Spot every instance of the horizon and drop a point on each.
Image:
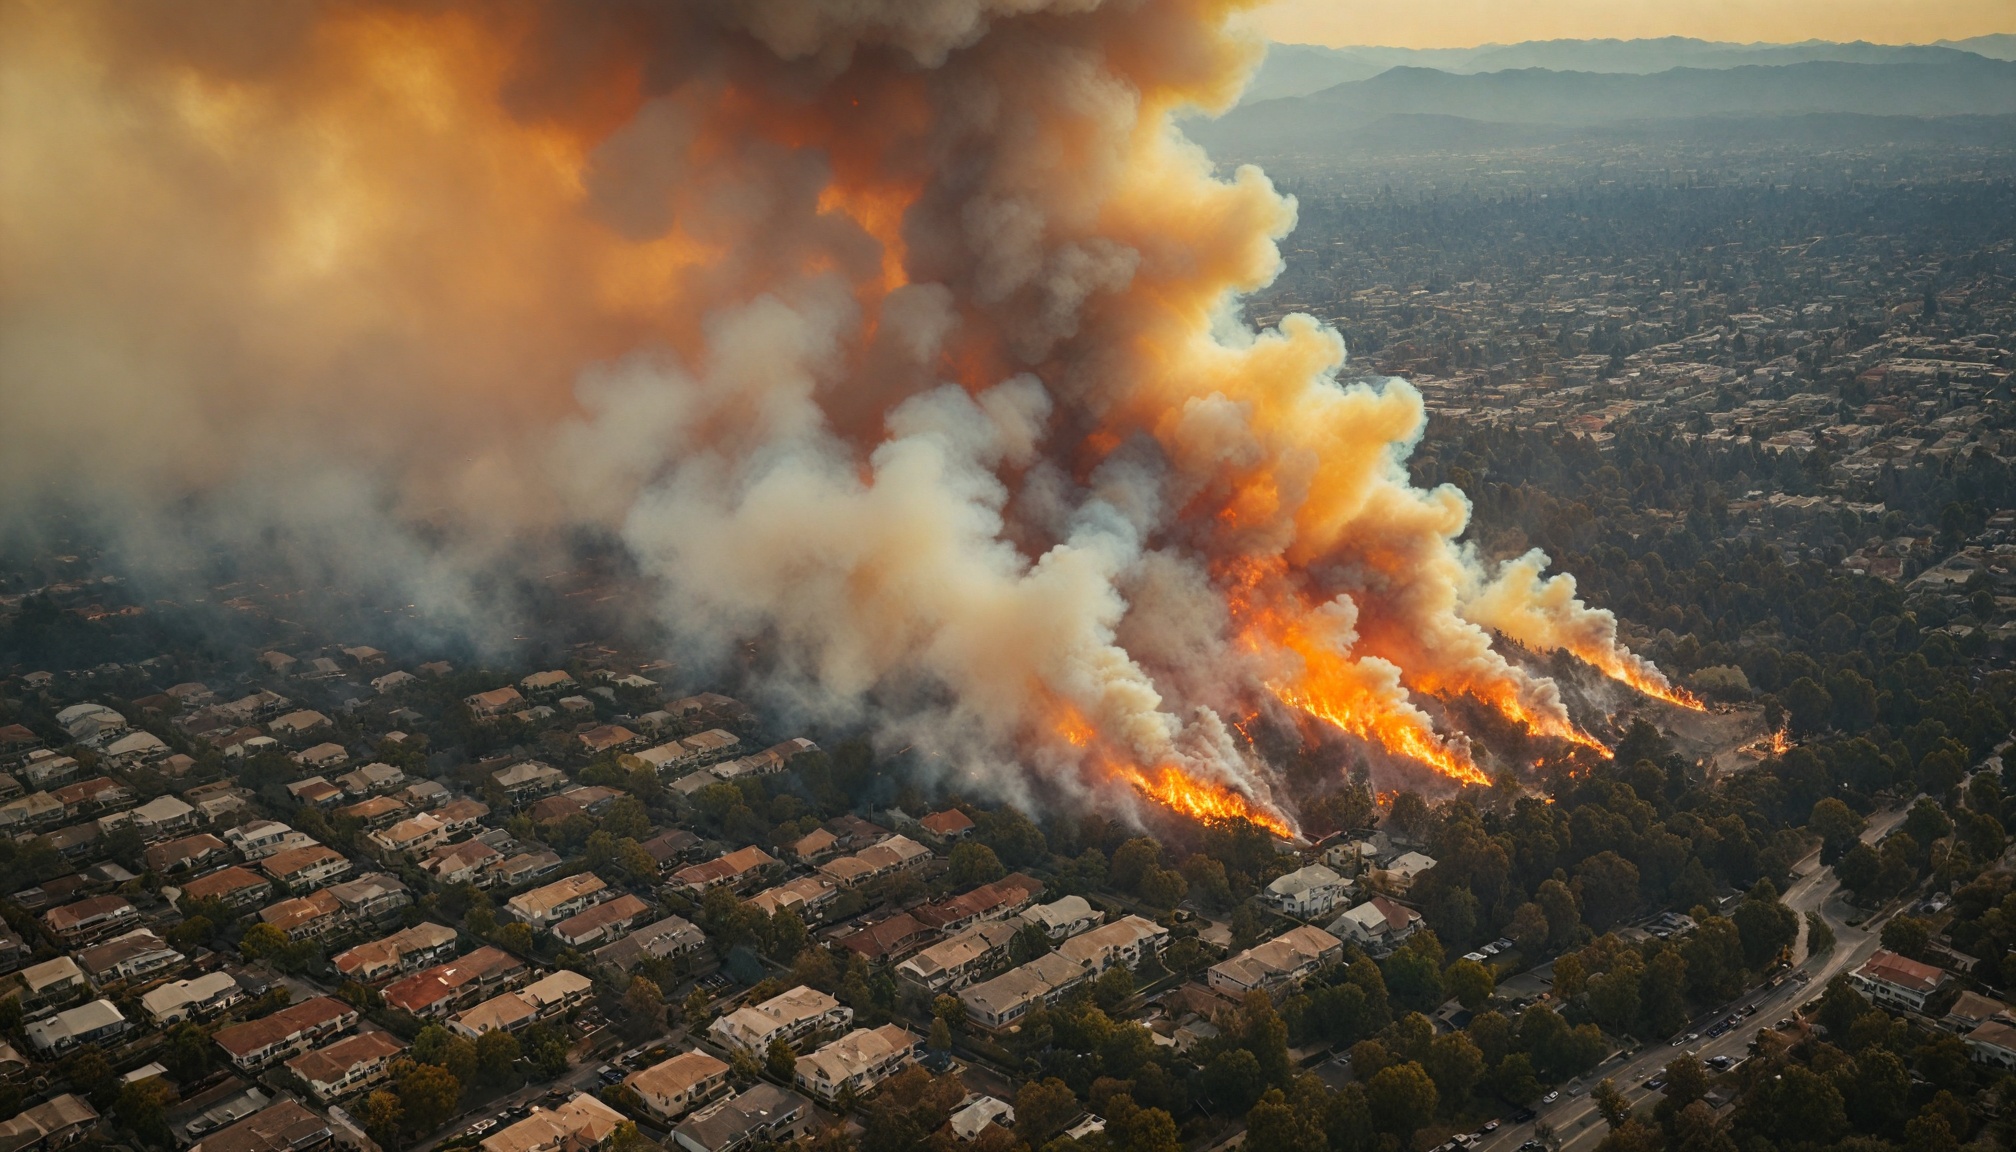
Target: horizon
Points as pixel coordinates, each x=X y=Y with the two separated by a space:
x=1478 y=47
x=1429 y=24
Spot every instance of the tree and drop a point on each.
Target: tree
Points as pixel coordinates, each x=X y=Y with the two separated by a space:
x=1276 y=1125
x=1881 y=1095
x=1470 y=982
x=1402 y=1099
x=384 y=1117
x=940 y=1039
x=1764 y=925
x=496 y=1055
x=142 y=1107
x=781 y=1059
x=1529 y=929
x=1132 y=861
x=974 y=863
x=1819 y=934
x=1927 y=821
x=1662 y=1000
x=1859 y=869
x=644 y=1003
x=784 y=935
x=1513 y=1079
x=1809 y=704
x=1607 y=885
x=430 y=1094
x=1114 y=987
x=1907 y=936
x=1043 y=1108
x=437 y=1046
x=261 y=941
x=1456 y=1066
x=1233 y=1079
x=1413 y=973
x=1838 y=827
x=1611 y=1103
x=1563 y=911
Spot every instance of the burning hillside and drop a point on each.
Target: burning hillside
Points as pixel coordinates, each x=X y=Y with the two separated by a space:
x=902 y=336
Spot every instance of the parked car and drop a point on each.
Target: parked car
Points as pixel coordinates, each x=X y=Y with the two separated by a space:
x=1655 y=1083
x=1523 y=1115
x=1490 y=1126
x=1504 y=943
x=1550 y=1097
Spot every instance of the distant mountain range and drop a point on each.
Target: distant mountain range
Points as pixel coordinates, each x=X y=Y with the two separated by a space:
x=1408 y=106
x=1300 y=69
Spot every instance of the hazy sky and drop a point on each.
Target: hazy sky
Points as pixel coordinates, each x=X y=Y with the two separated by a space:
x=1463 y=23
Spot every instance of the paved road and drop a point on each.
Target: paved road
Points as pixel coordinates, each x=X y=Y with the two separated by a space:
x=1574 y=1117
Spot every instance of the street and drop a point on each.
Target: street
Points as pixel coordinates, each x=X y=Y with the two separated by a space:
x=1574 y=1118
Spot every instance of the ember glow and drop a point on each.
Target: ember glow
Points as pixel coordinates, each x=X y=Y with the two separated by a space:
x=900 y=342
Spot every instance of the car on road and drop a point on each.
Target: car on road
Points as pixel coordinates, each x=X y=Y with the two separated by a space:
x=1550 y=1097
x=1655 y=1083
x=1532 y=1146
x=1749 y=1009
x=1523 y=1115
x=1720 y=1063
x=1504 y=943
x=1693 y=1036
x=482 y=1126
x=1490 y=1126
x=1677 y=1041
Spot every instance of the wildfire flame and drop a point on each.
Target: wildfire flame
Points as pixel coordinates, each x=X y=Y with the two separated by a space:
x=1645 y=680
x=1779 y=743
x=1172 y=788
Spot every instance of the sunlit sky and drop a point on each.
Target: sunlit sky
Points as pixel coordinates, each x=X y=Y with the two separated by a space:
x=1464 y=23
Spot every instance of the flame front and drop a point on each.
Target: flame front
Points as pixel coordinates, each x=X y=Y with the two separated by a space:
x=1170 y=787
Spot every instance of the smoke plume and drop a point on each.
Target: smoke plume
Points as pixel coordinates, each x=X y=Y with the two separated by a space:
x=900 y=336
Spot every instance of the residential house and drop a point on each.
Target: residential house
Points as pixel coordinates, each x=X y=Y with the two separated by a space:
x=317 y=791
x=134 y=749
x=814 y=846
x=411 y=835
x=184 y=854
x=580 y=1125
x=606 y=738
x=35 y=810
x=1399 y=873
x=1003 y=898
x=496 y=702
x=92 y=1023
x=887 y=939
x=855 y=1064
x=876 y=861
x=1277 y=964
x=1379 y=923
x=462 y=815
x=306 y=917
x=298 y=723
x=792 y=1015
x=1064 y=918
x=305 y=869
x=90 y=724
x=258 y=839
x=671 y=847
x=90 y=919
x=947 y=826
x=469 y=862
x=1125 y=942
x=432 y=993
x=765 y=1115
x=601 y=923
x=1307 y=892
x=546 y=682
x=524 y=867
x=127 y=956
x=372 y=779
x=672 y=936
x=54 y=981
x=738 y=869
x=350 y=1065
x=403 y=951
x=531 y=778
x=711 y=745
x=998 y=1003
x=969 y=1122
x=1893 y=980
x=324 y=756
x=809 y=896
x=955 y=963
x=234 y=886
x=191 y=999
x=285 y=1126
x=1993 y=1041
x=91 y=795
x=374 y=811
x=548 y=997
x=559 y=900
x=296 y=1028
x=55 y=1123
x=371 y=896
x=674 y=1087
